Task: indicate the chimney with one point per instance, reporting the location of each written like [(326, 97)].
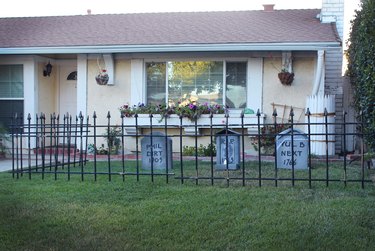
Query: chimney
[(333, 12), (268, 7), (88, 11)]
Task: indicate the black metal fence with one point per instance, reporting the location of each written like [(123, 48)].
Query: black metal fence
[(66, 147)]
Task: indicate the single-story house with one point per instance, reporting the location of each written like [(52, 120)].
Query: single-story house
[(231, 58)]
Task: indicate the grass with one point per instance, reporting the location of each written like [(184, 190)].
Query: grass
[(58, 214)]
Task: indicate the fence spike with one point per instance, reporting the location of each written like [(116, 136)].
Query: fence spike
[(308, 113), (226, 113), (29, 117), (258, 113), (291, 112), (108, 115), (325, 112), (274, 114), (80, 115), (94, 115)]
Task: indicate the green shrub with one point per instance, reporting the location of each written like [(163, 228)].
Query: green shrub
[(203, 151), (361, 66)]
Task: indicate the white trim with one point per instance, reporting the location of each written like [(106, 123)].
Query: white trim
[(173, 48), (82, 84), (319, 76), (255, 83), (108, 61), (137, 82), (30, 88)]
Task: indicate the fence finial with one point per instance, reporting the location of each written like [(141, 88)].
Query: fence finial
[(108, 115), (291, 114), (308, 113), (258, 113), (274, 114)]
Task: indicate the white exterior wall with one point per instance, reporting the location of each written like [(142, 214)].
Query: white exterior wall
[(333, 11)]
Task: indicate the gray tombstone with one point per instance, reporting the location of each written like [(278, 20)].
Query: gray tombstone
[(230, 139), (285, 156), (158, 154)]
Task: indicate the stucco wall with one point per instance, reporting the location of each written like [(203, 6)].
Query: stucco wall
[(47, 90), (287, 96), (102, 99)]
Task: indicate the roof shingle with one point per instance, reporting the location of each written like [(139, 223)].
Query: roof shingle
[(279, 26)]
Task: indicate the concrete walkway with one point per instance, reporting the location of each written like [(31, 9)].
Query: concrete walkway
[(5, 165)]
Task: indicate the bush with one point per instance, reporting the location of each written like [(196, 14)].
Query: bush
[(203, 151), (361, 66), (267, 138)]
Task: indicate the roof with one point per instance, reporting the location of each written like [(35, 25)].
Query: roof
[(180, 28)]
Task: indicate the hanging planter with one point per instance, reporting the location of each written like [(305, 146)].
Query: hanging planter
[(102, 78), (286, 78)]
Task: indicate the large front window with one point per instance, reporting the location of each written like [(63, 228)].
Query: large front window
[(11, 93), (201, 81)]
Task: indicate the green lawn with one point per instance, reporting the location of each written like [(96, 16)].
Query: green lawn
[(58, 214)]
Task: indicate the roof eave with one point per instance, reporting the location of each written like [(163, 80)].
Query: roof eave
[(304, 46)]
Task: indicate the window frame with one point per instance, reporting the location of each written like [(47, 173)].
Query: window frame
[(23, 88), (224, 60)]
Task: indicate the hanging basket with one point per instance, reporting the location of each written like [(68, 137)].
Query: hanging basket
[(286, 78), (102, 79)]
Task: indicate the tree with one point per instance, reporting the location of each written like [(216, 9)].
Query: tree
[(361, 66)]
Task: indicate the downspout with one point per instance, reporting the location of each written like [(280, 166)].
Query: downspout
[(319, 72)]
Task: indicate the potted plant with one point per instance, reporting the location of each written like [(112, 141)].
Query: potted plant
[(190, 110), (286, 77), (102, 78)]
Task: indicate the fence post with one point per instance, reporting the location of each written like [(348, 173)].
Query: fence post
[(95, 147), (326, 138), (308, 114), (109, 146), (243, 147), (81, 144), (29, 143), (259, 150), (152, 150), (122, 146), (292, 143), (181, 151), (274, 115), (344, 140), (136, 144)]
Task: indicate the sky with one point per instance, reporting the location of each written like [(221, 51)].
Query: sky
[(16, 8)]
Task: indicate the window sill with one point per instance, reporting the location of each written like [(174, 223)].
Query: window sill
[(250, 122)]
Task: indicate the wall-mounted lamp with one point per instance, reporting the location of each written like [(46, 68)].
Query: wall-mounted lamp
[(47, 70)]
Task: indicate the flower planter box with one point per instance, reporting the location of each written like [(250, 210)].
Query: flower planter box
[(173, 121)]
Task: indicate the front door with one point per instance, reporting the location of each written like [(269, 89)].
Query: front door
[(68, 92)]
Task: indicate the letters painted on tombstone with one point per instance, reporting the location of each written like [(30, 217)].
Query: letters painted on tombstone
[(231, 140), (156, 154), (292, 154)]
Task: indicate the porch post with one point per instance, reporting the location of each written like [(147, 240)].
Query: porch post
[(137, 82), (82, 84), (255, 83)]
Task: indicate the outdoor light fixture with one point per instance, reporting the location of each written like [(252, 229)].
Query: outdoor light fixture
[(47, 70)]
